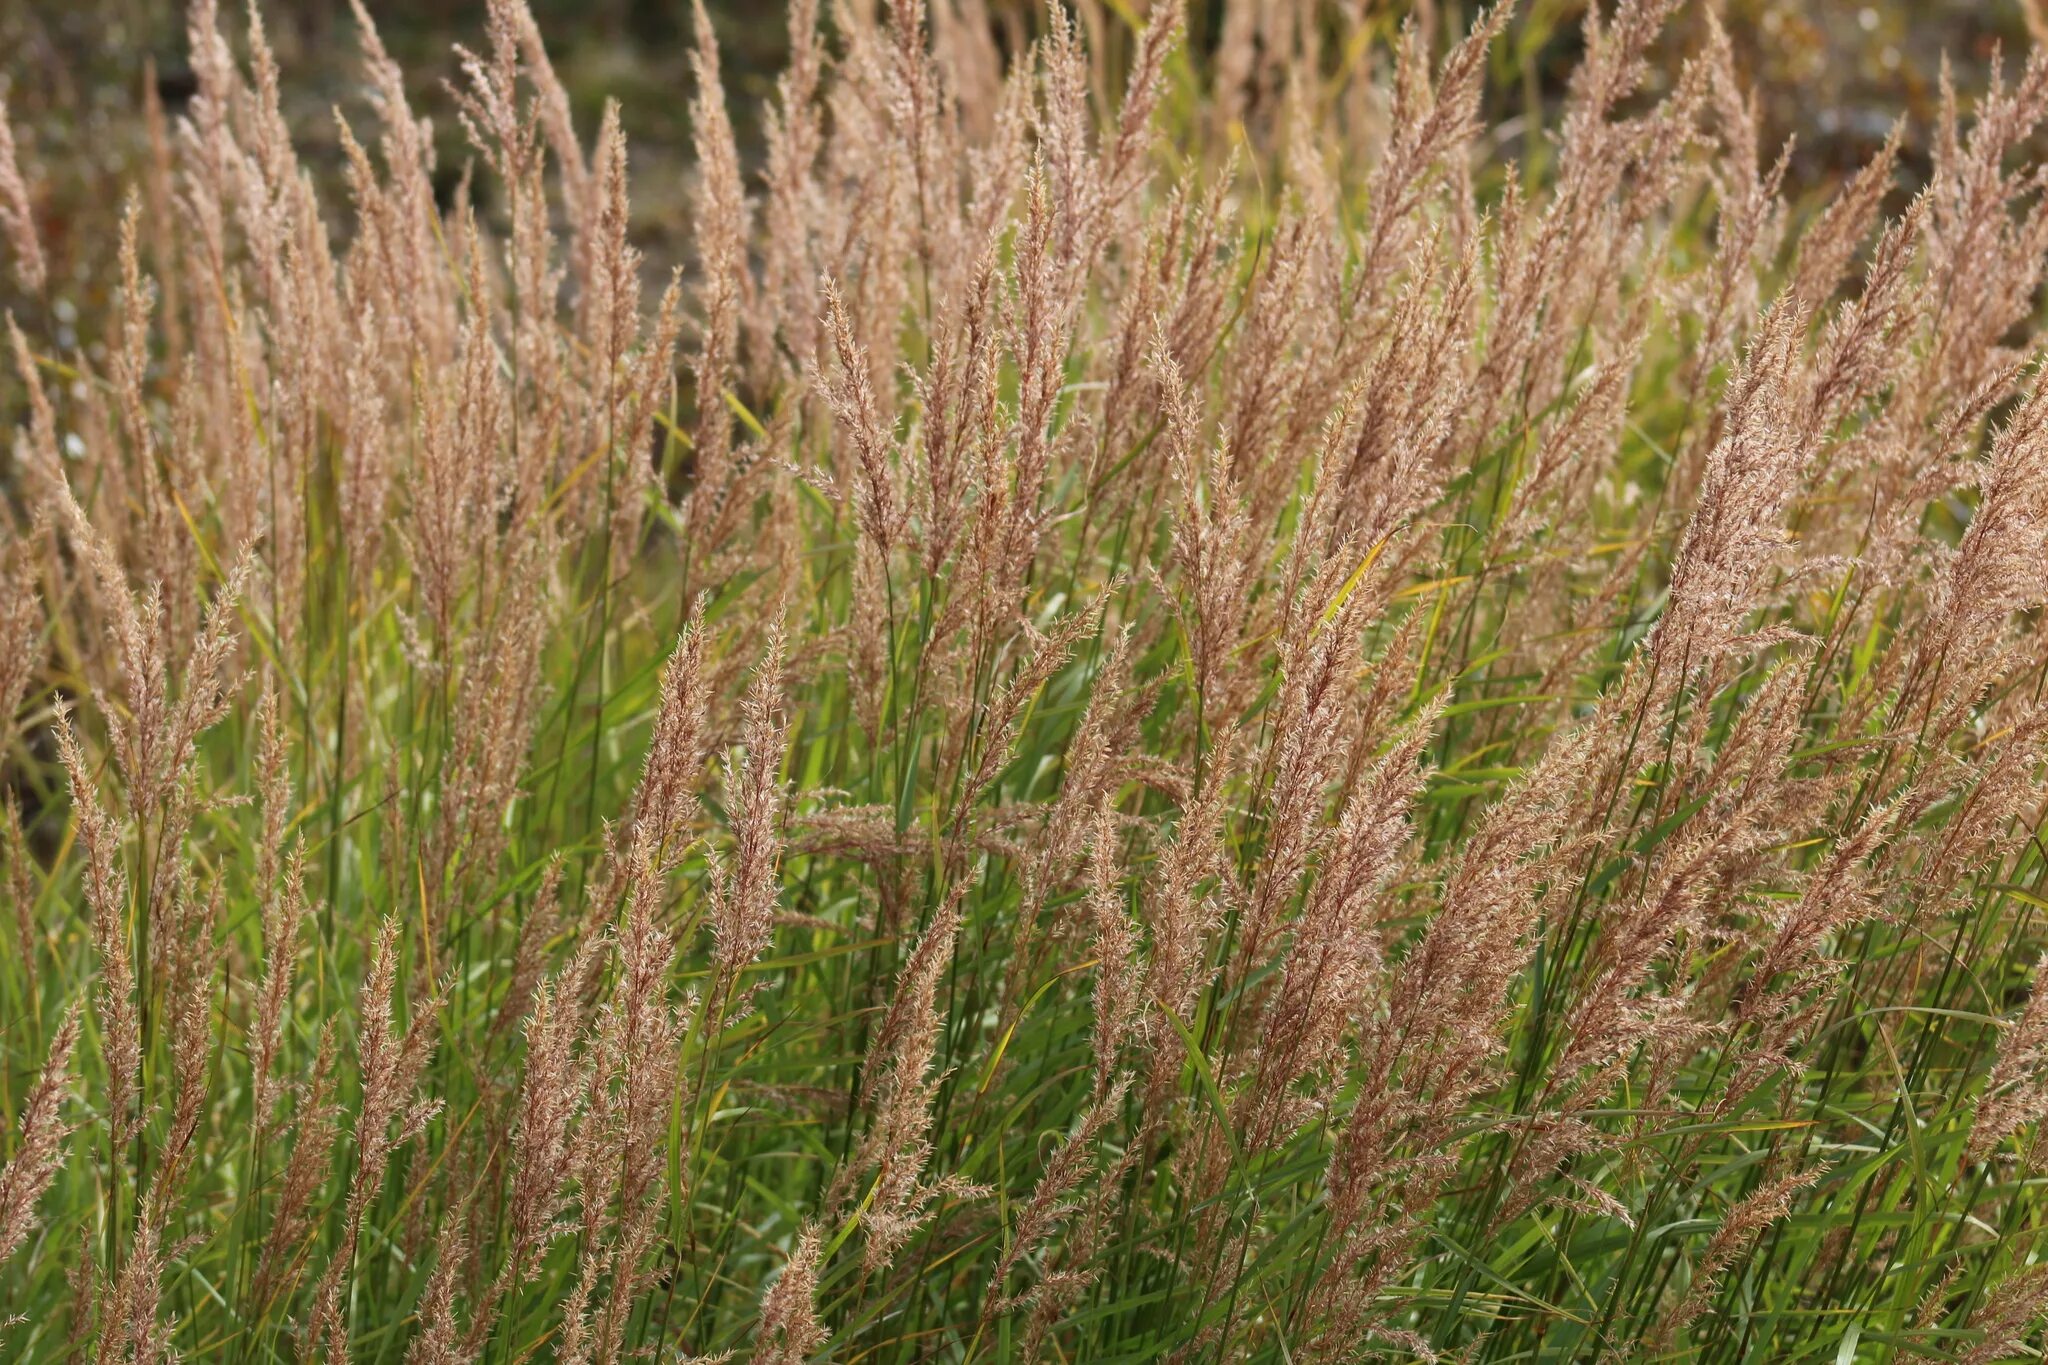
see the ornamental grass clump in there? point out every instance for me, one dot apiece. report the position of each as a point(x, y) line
point(1154, 707)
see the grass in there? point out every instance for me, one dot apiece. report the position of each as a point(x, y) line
point(1352, 752)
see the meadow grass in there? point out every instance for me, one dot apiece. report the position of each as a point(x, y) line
point(1160, 709)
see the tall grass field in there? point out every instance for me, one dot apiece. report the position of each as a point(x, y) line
point(1199, 688)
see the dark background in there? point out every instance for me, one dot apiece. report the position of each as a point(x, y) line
point(73, 70)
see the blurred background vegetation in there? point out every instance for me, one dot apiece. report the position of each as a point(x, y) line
point(1831, 74)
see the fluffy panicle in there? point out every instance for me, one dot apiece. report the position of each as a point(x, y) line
point(790, 1330)
point(2014, 1093)
point(106, 896)
point(721, 255)
point(17, 214)
point(666, 799)
point(743, 912)
point(39, 1153)
point(897, 1090)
